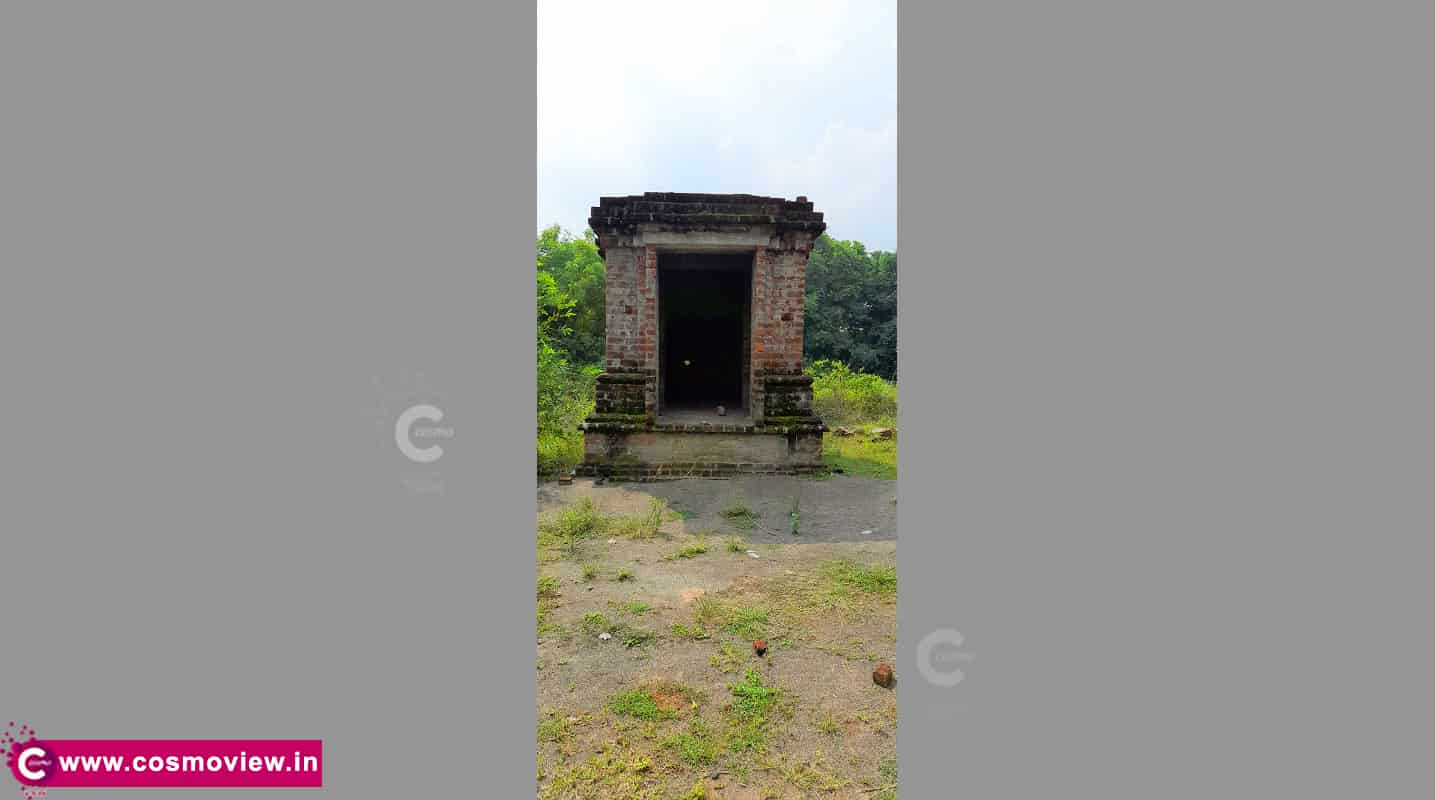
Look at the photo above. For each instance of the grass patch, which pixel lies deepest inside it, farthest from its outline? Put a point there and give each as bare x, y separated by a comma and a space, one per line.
734, 544
749, 622
749, 713
813, 775
635, 637
886, 786
557, 727
849, 576
636, 608
561, 532
590, 572
654, 702
829, 725
682, 631
624, 575
617, 771
697, 746
740, 516
547, 601
752, 698
691, 551
639, 705
855, 455
840, 589
728, 658
595, 623
643, 526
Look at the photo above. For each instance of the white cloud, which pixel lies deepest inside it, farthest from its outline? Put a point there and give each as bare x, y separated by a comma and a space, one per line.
854, 171
741, 96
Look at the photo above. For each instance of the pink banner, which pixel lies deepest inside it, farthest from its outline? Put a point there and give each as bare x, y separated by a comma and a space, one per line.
162, 763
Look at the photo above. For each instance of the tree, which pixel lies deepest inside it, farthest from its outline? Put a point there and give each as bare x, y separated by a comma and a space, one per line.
851, 307
577, 273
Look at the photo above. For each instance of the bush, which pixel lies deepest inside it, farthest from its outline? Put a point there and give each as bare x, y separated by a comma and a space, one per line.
842, 396
565, 389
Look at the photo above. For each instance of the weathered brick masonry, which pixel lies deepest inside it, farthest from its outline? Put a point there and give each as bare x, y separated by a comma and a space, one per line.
774, 431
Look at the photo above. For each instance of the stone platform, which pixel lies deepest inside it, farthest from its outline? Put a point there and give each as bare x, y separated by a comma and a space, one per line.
634, 450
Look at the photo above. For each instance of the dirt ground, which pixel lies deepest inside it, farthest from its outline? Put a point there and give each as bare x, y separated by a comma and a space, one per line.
681, 609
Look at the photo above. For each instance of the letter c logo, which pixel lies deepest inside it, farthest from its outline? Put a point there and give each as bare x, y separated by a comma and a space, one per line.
22, 763
423, 455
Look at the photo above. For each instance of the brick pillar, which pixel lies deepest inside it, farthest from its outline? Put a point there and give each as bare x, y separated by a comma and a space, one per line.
779, 289
622, 389
759, 337
648, 327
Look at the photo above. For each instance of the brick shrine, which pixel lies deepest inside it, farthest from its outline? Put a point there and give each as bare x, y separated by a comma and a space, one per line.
704, 309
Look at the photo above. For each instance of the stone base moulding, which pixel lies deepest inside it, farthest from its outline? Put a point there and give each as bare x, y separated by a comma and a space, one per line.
628, 451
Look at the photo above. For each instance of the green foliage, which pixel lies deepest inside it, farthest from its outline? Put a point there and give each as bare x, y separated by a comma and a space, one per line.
851, 307
577, 272
569, 298
844, 396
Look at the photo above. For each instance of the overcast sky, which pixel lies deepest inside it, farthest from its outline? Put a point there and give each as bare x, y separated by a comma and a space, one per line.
781, 98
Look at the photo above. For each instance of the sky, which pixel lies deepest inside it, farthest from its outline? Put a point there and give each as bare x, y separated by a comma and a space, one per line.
771, 98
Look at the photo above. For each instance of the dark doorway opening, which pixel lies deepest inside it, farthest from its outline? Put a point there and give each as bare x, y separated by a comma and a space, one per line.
703, 311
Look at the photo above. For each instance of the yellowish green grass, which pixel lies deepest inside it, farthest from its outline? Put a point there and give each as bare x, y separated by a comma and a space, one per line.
562, 532
857, 455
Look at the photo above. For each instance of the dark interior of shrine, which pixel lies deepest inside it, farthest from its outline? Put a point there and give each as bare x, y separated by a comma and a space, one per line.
703, 312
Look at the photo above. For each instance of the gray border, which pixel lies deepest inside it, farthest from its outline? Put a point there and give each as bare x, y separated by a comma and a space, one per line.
1165, 320
227, 231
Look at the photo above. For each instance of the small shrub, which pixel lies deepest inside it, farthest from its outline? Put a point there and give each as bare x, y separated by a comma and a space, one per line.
843, 396
634, 637
740, 516
691, 551
561, 531
595, 623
